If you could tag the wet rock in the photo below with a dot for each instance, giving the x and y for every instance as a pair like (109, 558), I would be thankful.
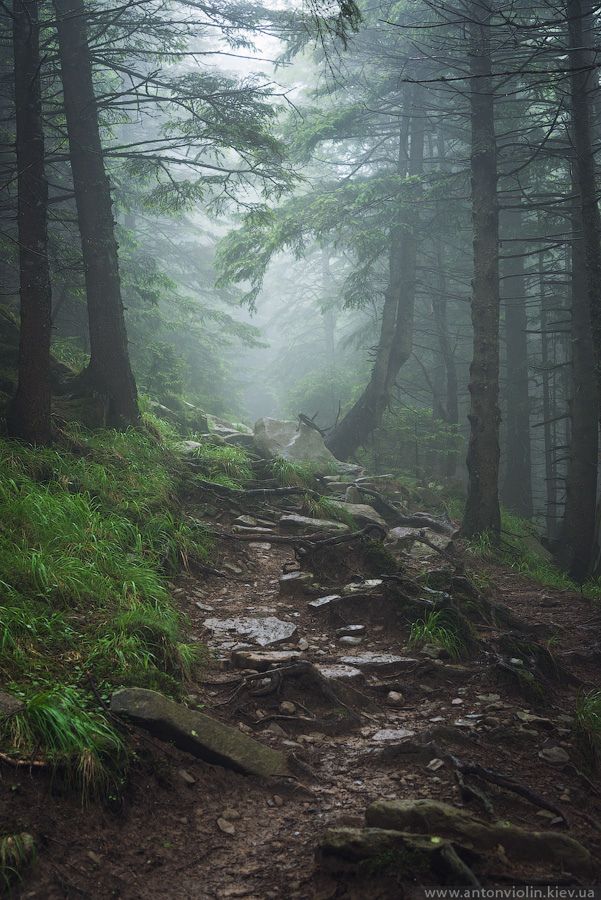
(342, 673)
(262, 661)
(299, 443)
(432, 651)
(307, 525)
(401, 538)
(392, 734)
(371, 661)
(557, 756)
(430, 817)
(10, 705)
(197, 733)
(361, 512)
(295, 583)
(370, 586)
(264, 632)
(351, 631)
(324, 603)
(188, 448)
(186, 777)
(247, 521)
(395, 698)
(353, 495)
(226, 826)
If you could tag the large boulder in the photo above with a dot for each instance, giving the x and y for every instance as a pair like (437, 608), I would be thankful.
(297, 443)
(197, 733)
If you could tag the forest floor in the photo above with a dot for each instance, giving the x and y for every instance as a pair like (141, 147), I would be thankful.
(186, 829)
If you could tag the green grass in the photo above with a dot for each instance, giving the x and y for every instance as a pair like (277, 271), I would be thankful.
(16, 852)
(323, 508)
(437, 628)
(294, 474)
(520, 549)
(230, 466)
(89, 532)
(588, 725)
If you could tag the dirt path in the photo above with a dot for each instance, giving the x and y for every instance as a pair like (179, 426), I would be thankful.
(189, 830)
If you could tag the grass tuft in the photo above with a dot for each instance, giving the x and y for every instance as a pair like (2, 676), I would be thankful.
(588, 726)
(438, 628)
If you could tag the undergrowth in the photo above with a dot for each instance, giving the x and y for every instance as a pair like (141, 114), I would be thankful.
(520, 549)
(230, 466)
(89, 530)
(588, 726)
(438, 628)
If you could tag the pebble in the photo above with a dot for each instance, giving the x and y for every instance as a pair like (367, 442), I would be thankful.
(225, 826)
(351, 630)
(557, 756)
(395, 698)
(287, 708)
(457, 701)
(186, 777)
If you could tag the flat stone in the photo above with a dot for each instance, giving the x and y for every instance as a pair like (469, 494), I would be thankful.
(557, 756)
(295, 583)
(379, 662)
(307, 525)
(350, 641)
(247, 521)
(351, 630)
(392, 734)
(264, 632)
(261, 662)
(371, 585)
(341, 673)
(324, 602)
(198, 734)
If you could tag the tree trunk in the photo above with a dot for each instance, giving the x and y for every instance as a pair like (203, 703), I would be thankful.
(482, 513)
(450, 413)
(551, 492)
(575, 545)
(517, 480)
(396, 330)
(582, 84)
(109, 373)
(581, 39)
(29, 413)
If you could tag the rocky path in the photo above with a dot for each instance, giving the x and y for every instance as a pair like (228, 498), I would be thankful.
(380, 721)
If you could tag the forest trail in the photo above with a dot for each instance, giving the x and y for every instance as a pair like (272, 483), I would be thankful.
(190, 830)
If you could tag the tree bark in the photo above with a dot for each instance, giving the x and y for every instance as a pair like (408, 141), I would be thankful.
(109, 373)
(29, 414)
(575, 545)
(517, 481)
(482, 512)
(582, 83)
(450, 413)
(396, 330)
